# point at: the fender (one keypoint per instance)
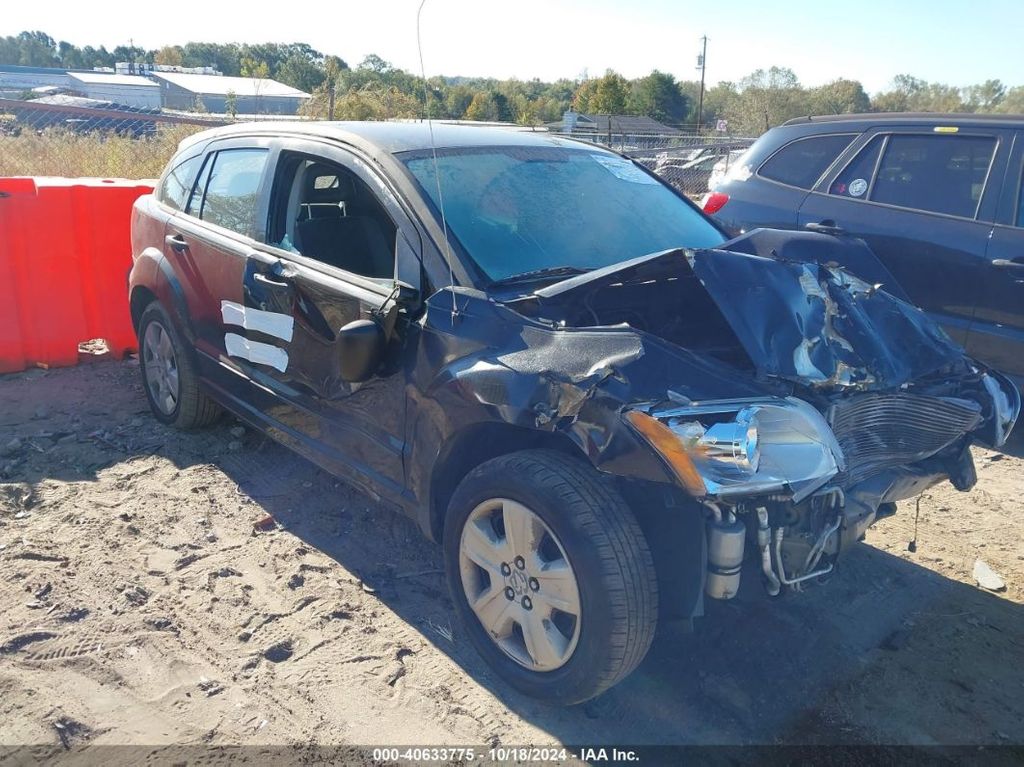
(152, 271)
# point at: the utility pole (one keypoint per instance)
(701, 61)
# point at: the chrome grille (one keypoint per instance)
(880, 431)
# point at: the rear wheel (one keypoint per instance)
(550, 574)
(168, 375)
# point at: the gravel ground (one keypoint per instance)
(163, 588)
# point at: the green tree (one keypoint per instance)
(984, 97)
(482, 107)
(838, 97)
(763, 99)
(658, 95)
(610, 94)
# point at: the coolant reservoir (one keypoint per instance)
(725, 557)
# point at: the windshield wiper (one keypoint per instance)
(541, 274)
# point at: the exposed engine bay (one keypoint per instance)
(870, 404)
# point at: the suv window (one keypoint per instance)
(941, 174)
(323, 211)
(801, 162)
(232, 190)
(855, 180)
(179, 182)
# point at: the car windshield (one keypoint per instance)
(552, 210)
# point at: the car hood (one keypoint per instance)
(810, 322)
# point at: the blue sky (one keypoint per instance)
(869, 40)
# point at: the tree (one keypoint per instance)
(524, 111)
(1013, 102)
(482, 107)
(765, 98)
(658, 95)
(302, 73)
(170, 55)
(231, 104)
(838, 97)
(611, 94)
(985, 97)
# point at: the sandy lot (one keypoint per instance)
(148, 599)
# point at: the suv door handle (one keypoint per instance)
(176, 243)
(1006, 263)
(828, 226)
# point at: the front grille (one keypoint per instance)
(880, 431)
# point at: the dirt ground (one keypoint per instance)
(211, 588)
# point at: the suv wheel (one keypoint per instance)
(168, 375)
(550, 574)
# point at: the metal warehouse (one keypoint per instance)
(129, 90)
(253, 95)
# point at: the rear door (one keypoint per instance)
(997, 333)
(209, 239)
(338, 245)
(922, 201)
(771, 197)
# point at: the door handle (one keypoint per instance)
(1006, 263)
(176, 243)
(828, 226)
(271, 283)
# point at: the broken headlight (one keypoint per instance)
(749, 447)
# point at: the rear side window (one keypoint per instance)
(801, 162)
(855, 179)
(941, 174)
(232, 190)
(179, 181)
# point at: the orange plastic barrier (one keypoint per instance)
(65, 252)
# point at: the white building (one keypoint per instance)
(130, 90)
(252, 95)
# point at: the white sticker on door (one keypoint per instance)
(271, 323)
(255, 351)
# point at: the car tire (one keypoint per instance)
(582, 531)
(168, 374)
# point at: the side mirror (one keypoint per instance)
(360, 347)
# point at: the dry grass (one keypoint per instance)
(57, 152)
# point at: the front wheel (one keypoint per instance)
(550, 574)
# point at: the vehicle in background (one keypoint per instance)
(600, 408)
(938, 198)
(720, 170)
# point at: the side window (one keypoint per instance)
(801, 162)
(855, 180)
(178, 184)
(1020, 204)
(941, 174)
(323, 211)
(232, 191)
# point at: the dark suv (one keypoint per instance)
(555, 364)
(936, 197)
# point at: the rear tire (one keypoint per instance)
(168, 374)
(581, 527)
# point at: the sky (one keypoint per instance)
(871, 40)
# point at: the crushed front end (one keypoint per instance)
(881, 407)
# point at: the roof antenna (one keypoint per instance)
(437, 172)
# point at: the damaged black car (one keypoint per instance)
(602, 408)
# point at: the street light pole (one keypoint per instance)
(701, 61)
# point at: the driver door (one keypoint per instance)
(335, 251)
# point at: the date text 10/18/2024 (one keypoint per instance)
(504, 754)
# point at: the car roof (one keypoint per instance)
(394, 137)
(913, 118)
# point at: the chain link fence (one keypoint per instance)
(692, 164)
(66, 136)
(76, 137)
